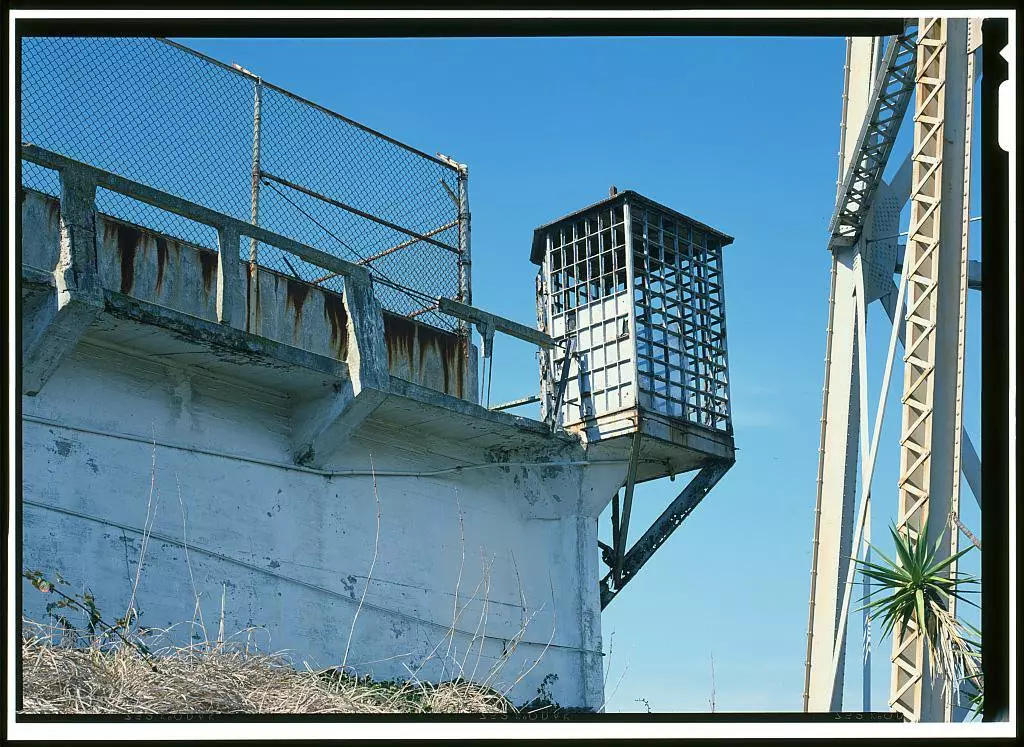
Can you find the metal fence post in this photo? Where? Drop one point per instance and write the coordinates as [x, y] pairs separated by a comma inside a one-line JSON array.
[[465, 257], [255, 215]]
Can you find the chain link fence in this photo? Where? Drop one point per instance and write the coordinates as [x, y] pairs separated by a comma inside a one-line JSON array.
[[161, 114]]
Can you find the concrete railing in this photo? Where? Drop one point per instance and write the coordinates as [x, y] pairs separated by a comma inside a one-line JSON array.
[[80, 292], [230, 231], [80, 180], [78, 265]]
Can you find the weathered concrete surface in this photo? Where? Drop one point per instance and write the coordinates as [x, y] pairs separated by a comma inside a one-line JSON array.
[[427, 356], [324, 422], [160, 410], [57, 319], [183, 277], [158, 269], [40, 236], [51, 333], [300, 315], [293, 548]]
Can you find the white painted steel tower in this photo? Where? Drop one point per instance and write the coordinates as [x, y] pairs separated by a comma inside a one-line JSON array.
[[932, 64]]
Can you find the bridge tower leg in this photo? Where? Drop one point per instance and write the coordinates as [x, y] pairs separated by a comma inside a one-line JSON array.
[[840, 423]]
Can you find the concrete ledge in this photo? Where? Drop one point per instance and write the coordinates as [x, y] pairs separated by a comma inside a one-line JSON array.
[[194, 330], [49, 332], [432, 397], [418, 410]]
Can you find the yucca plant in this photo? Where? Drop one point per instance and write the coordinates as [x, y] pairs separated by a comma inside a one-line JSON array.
[[919, 588]]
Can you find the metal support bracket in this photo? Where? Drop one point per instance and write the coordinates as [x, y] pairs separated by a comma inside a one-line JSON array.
[[486, 330], [620, 523], [662, 528], [560, 385], [501, 324], [527, 400]]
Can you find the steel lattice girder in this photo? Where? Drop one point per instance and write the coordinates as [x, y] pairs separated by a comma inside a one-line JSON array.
[[934, 268], [890, 98]]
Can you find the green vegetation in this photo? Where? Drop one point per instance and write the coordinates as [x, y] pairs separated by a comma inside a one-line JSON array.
[[917, 589]]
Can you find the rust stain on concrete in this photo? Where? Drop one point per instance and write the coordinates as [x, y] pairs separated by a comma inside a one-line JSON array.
[[337, 316], [399, 337], [52, 211], [403, 336], [253, 301], [296, 294], [127, 244], [462, 367], [161, 262], [208, 259], [252, 304]]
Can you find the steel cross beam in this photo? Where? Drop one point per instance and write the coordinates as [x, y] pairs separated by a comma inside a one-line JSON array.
[[662, 528], [485, 318], [620, 522], [888, 103]]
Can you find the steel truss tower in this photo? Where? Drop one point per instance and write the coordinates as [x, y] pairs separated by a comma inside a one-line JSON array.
[[929, 60]]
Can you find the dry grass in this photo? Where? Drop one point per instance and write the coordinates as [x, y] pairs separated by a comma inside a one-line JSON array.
[[117, 668], [218, 679]]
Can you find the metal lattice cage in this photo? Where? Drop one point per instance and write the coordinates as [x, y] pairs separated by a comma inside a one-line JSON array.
[[640, 290]]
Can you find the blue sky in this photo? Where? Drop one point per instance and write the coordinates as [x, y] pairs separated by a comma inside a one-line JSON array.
[[742, 134]]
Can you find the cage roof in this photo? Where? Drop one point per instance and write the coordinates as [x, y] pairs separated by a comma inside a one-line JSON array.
[[537, 249]]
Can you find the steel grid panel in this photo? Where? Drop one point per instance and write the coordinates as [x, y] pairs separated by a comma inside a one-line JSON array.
[[678, 292], [586, 269]]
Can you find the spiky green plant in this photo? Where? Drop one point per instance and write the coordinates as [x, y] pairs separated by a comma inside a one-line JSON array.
[[919, 588], [977, 697]]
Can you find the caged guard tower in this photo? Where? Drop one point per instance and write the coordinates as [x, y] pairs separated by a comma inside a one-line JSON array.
[[634, 293]]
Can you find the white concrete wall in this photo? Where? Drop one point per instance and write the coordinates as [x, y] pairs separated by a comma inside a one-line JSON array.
[[293, 548]]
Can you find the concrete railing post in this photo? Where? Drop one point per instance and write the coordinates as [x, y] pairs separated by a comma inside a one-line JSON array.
[[228, 311], [76, 275], [321, 424], [367, 350]]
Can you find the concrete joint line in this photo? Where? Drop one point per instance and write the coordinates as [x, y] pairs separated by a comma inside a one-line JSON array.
[[328, 474]]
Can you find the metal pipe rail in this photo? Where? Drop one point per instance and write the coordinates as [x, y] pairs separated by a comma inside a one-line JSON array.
[[494, 322], [426, 237], [889, 99]]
